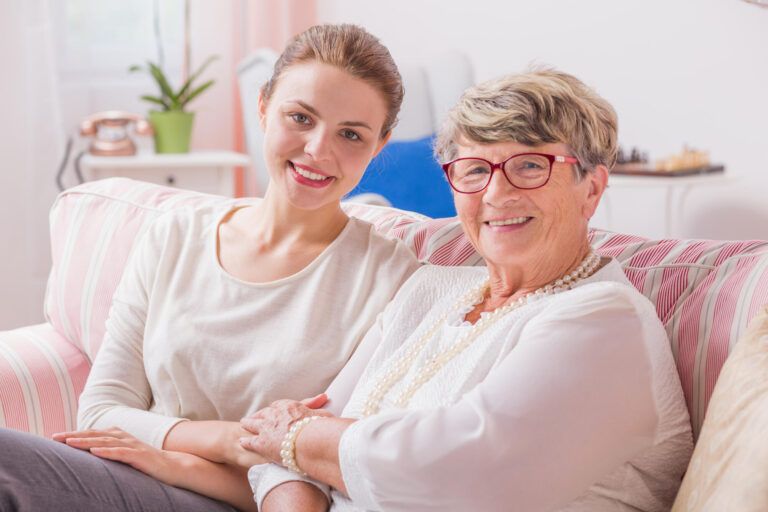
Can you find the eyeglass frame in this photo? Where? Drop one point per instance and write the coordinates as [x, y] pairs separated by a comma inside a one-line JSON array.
[[500, 166]]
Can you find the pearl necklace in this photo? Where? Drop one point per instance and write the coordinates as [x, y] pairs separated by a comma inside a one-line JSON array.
[[434, 364]]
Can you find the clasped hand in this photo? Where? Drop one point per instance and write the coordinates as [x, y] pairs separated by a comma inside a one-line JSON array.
[[270, 425]]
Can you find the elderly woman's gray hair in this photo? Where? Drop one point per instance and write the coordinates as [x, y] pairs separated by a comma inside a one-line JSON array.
[[533, 108]]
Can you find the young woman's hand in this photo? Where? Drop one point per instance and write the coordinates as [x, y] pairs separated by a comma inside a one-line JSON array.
[[219, 481], [270, 425], [116, 444], [216, 441]]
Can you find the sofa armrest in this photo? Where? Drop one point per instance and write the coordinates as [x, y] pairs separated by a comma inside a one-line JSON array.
[[728, 468], [41, 377]]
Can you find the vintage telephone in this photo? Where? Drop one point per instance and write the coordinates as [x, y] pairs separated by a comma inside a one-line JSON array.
[[109, 130]]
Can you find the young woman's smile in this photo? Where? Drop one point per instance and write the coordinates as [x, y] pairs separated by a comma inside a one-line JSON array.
[[309, 176]]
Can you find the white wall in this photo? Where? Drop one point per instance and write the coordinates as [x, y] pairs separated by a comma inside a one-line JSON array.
[[677, 71]]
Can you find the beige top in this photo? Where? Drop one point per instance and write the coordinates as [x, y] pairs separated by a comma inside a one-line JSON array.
[[187, 340]]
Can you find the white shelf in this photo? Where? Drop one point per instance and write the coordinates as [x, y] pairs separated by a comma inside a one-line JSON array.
[[164, 160], [624, 180], [204, 171]]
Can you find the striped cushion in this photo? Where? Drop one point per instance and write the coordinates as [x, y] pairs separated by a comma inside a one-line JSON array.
[[438, 241], [705, 291], [41, 376]]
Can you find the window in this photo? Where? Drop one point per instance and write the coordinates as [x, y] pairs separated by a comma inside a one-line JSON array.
[[107, 36], [98, 40]]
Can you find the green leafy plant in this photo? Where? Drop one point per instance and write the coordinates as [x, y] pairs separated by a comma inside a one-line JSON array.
[[168, 99]]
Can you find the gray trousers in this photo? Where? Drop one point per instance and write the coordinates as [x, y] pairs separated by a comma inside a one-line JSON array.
[[38, 474]]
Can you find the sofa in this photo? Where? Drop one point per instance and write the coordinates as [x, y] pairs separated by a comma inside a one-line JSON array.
[[705, 292]]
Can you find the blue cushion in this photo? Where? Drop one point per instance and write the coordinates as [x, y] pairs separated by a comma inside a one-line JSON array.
[[406, 173]]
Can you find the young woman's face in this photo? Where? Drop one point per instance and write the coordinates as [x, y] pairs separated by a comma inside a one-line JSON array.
[[322, 127]]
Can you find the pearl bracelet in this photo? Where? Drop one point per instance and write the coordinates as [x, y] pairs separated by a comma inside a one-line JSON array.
[[288, 451]]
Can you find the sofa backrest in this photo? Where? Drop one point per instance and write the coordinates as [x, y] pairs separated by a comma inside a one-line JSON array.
[[705, 291]]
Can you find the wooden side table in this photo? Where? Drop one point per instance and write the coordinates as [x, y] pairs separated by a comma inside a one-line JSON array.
[[203, 171]]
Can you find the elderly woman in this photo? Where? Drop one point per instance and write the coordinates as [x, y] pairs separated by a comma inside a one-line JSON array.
[[543, 381]]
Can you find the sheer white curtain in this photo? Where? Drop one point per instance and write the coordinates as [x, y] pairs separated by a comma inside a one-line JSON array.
[[31, 142]]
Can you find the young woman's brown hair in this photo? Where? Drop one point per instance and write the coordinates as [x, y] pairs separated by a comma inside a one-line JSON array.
[[352, 49]]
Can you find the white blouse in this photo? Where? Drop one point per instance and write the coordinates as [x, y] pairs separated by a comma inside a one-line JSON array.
[[187, 340], [571, 403]]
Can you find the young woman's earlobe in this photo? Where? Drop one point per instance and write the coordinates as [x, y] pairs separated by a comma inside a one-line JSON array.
[[262, 112]]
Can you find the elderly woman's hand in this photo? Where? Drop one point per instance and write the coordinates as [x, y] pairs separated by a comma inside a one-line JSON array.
[[270, 425]]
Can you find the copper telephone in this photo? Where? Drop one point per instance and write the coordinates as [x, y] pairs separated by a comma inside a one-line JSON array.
[[109, 130]]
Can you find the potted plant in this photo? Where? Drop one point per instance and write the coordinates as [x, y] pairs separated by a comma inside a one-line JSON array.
[[172, 123]]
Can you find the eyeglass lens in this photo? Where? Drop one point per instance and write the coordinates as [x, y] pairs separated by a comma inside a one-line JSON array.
[[523, 171]]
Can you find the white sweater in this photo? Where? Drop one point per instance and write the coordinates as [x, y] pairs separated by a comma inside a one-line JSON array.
[[570, 403], [187, 340]]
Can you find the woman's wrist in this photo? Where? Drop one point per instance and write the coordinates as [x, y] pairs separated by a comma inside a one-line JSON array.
[[216, 441], [288, 447], [180, 466], [226, 447], [317, 450]]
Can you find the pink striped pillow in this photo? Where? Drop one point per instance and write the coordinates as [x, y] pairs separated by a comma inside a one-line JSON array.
[[438, 241], [41, 376], [705, 291]]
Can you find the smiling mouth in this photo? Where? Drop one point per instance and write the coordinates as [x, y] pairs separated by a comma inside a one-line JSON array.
[[509, 222], [320, 178]]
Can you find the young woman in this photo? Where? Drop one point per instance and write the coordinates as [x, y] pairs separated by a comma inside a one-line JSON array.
[[221, 312]]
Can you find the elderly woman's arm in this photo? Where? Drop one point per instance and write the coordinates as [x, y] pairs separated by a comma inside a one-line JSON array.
[[571, 402]]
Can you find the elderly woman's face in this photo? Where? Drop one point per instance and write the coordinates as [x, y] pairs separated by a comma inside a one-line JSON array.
[[511, 226]]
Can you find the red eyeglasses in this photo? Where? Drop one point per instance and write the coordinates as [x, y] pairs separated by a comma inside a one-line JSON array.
[[525, 170]]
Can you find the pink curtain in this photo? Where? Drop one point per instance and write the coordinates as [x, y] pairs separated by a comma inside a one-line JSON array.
[[31, 146], [259, 24]]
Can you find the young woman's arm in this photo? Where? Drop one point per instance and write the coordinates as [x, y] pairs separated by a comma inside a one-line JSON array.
[[223, 482], [118, 391], [217, 441]]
